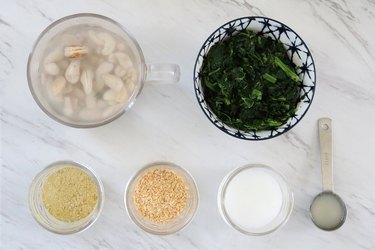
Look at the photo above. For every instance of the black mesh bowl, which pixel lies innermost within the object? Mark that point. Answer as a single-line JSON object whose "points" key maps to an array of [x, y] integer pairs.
{"points": [[297, 51]]}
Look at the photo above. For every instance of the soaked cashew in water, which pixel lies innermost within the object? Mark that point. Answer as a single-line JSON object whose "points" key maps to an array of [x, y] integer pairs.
{"points": [[98, 60], [130, 85], [68, 89], [110, 95], [103, 68], [75, 51], [120, 71], [113, 97], [68, 107], [72, 72], [63, 64], [120, 46], [112, 58], [78, 93], [75, 103], [111, 110], [124, 60], [109, 43], [45, 78], [57, 86], [131, 75], [58, 101], [87, 77], [52, 69], [123, 95], [94, 37], [112, 81], [90, 101], [101, 104]]}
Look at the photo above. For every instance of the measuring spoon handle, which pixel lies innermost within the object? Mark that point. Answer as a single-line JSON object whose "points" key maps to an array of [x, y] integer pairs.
{"points": [[325, 139]]}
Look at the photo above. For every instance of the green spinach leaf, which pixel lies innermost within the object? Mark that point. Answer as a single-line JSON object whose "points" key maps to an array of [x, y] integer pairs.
{"points": [[249, 82]]}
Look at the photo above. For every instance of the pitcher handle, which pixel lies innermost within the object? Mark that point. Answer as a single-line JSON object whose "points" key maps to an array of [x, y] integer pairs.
{"points": [[162, 73]]}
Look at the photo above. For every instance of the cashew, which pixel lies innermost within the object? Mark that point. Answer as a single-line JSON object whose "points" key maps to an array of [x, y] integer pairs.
{"points": [[131, 75], [86, 80], [100, 104], [68, 107], [63, 64], [45, 79], [52, 69], [109, 95], [122, 95], [58, 85], [130, 85], [111, 110], [90, 101], [112, 58], [78, 93], [75, 104], [124, 60], [120, 71], [72, 72], [94, 37], [98, 51], [130, 79], [75, 51], [113, 82], [103, 68], [120, 47], [109, 43], [57, 102], [68, 89]]}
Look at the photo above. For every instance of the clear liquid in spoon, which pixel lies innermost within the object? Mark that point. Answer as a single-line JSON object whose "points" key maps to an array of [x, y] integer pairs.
{"points": [[328, 211]]}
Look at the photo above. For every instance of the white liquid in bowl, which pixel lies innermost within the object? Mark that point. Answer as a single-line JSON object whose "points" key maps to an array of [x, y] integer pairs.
{"points": [[253, 199]]}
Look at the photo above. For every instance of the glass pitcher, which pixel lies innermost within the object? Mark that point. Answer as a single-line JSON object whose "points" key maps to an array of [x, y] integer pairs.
{"points": [[70, 109]]}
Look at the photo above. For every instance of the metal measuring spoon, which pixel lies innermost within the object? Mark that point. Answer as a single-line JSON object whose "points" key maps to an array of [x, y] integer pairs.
{"points": [[328, 210]]}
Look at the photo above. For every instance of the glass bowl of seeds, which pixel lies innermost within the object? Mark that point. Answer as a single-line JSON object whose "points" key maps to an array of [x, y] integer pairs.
{"points": [[66, 197], [161, 198]]}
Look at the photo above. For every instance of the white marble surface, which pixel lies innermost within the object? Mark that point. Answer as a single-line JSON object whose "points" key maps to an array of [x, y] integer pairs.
{"points": [[167, 124]]}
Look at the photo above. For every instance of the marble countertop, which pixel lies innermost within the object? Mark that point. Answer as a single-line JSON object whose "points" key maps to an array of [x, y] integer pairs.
{"points": [[166, 123]]}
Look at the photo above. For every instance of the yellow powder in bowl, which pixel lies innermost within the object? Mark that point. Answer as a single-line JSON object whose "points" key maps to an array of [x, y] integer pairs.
{"points": [[69, 194]]}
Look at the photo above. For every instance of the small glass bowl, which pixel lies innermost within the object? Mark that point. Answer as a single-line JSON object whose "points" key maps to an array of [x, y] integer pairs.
{"points": [[41, 214], [182, 220], [278, 221]]}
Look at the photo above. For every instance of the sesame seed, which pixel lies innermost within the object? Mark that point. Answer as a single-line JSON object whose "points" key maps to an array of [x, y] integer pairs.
{"points": [[160, 195]]}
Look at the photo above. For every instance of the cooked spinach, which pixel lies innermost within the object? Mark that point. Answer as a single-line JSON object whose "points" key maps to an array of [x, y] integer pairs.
{"points": [[249, 82]]}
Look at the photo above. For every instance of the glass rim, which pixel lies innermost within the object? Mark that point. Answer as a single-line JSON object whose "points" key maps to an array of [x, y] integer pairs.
{"points": [[142, 170], [222, 190], [87, 170], [54, 24]]}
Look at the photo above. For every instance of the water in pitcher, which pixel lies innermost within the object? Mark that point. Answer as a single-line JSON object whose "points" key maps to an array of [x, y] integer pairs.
{"points": [[87, 73]]}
